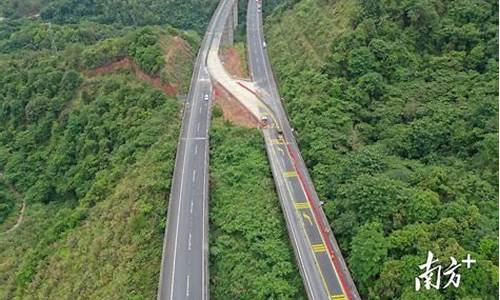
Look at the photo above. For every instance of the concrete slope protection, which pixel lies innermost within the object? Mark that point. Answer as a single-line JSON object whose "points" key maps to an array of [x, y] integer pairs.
{"points": [[321, 264], [184, 267]]}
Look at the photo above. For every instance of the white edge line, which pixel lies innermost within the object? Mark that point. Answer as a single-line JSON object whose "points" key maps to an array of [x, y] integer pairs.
{"points": [[180, 196], [288, 216]]}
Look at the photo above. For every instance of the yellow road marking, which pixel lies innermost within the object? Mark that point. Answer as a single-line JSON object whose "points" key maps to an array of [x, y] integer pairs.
{"points": [[289, 174], [307, 217], [302, 205], [338, 297], [331, 261], [319, 247], [307, 237]]}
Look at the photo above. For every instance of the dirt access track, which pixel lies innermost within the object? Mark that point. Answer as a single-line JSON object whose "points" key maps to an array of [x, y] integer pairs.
{"points": [[21, 213]]}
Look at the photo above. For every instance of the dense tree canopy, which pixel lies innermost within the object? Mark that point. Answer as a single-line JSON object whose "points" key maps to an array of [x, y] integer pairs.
{"points": [[7, 200], [398, 121], [91, 156], [250, 255], [74, 152], [182, 14], [192, 14], [21, 8]]}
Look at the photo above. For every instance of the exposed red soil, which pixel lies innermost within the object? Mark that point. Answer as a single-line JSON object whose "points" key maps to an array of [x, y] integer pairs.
{"points": [[127, 63], [176, 45], [233, 62], [232, 109]]}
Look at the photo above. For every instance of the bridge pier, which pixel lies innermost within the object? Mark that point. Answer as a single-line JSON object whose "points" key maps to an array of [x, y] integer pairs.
{"points": [[230, 26]]}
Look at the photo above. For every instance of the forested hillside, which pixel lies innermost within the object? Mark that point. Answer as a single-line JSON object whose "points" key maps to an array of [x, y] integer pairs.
{"points": [[250, 254], [21, 8], [182, 14], [395, 106], [89, 123], [95, 178]]}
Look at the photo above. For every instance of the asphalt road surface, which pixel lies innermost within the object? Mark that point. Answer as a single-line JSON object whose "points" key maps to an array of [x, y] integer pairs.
{"points": [[320, 262], [184, 268]]}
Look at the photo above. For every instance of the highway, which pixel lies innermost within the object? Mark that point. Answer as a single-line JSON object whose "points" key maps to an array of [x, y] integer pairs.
{"points": [[184, 266], [320, 261]]}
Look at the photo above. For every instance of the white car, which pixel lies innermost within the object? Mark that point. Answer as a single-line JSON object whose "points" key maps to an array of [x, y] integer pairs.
{"points": [[264, 45], [205, 97]]}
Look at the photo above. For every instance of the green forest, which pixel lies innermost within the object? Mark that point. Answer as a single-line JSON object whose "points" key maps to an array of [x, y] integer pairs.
{"points": [[395, 107], [95, 190], [181, 14], [88, 148], [250, 254]]}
